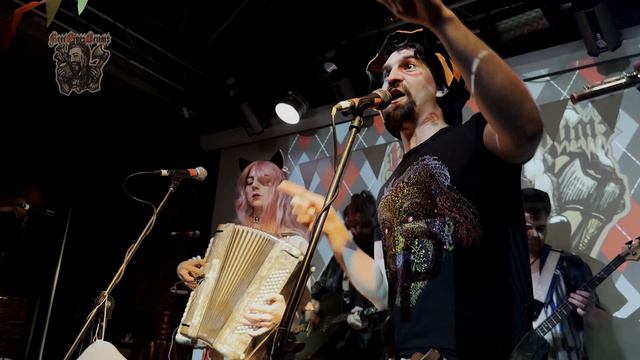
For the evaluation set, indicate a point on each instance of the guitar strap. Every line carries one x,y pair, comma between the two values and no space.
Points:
542,280
346,294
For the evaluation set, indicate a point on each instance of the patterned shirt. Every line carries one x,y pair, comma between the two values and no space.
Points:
566,340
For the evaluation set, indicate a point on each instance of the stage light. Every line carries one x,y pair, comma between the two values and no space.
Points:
291,109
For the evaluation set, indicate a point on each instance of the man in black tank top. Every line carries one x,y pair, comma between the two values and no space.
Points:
456,275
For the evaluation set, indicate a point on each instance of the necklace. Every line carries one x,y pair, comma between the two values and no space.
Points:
256,219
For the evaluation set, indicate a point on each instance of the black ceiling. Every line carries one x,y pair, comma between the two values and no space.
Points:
202,59
180,70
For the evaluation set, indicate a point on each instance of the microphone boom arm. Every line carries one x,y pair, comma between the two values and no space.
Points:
294,298
104,295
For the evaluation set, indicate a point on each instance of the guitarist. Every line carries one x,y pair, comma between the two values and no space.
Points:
334,294
556,276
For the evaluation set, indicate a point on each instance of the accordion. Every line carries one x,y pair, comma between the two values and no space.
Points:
243,266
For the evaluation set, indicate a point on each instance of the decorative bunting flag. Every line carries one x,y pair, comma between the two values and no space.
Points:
52,10
8,29
81,5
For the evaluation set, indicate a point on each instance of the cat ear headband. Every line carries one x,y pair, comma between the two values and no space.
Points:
277,159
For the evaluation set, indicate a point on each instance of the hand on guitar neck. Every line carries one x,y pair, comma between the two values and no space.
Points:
584,301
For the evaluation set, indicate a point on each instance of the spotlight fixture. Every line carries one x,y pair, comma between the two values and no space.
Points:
291,109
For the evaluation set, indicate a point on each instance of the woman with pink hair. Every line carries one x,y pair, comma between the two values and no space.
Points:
259,206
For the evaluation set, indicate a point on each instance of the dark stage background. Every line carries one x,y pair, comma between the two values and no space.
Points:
188,76
76,151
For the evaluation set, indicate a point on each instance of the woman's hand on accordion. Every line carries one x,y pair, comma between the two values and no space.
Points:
266,316
190,270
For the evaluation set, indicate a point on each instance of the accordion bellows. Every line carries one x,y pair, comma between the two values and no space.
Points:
243,266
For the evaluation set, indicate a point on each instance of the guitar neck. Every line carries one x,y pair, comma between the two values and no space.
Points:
566,308
334,319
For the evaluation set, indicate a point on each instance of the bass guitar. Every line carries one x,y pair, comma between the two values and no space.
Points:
315,336
533,345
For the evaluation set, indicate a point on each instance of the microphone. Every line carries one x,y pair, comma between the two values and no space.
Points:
198,173
378,99
42,211
622,81
189,234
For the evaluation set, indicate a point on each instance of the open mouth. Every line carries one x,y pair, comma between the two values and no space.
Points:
396,94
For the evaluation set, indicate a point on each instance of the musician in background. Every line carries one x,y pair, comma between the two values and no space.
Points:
566,273
335,294
259,206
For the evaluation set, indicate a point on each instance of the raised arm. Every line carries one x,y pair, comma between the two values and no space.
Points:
514,124
362,270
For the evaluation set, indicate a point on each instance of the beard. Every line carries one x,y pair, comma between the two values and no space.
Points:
395,116
76,66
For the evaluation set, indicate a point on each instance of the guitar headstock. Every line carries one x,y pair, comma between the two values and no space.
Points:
631,250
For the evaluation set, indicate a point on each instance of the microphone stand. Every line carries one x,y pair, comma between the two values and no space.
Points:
279,347
104,295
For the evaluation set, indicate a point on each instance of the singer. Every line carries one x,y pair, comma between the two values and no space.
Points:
457,281
260,206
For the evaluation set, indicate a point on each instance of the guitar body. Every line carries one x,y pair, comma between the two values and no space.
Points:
314,340
314,337
531,347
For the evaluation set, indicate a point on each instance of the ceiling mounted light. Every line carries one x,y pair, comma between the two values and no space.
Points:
291,109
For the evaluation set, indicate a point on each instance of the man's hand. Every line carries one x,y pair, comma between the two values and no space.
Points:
423,12
584,301
64,71
311,310
264,317
354,319
306,206
189,270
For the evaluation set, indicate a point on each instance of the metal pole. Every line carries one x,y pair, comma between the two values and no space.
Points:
104,295
55,285
282,333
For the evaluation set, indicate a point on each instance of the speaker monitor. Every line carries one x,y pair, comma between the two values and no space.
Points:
597,27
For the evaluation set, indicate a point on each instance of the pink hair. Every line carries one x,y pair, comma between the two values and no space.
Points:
276,217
